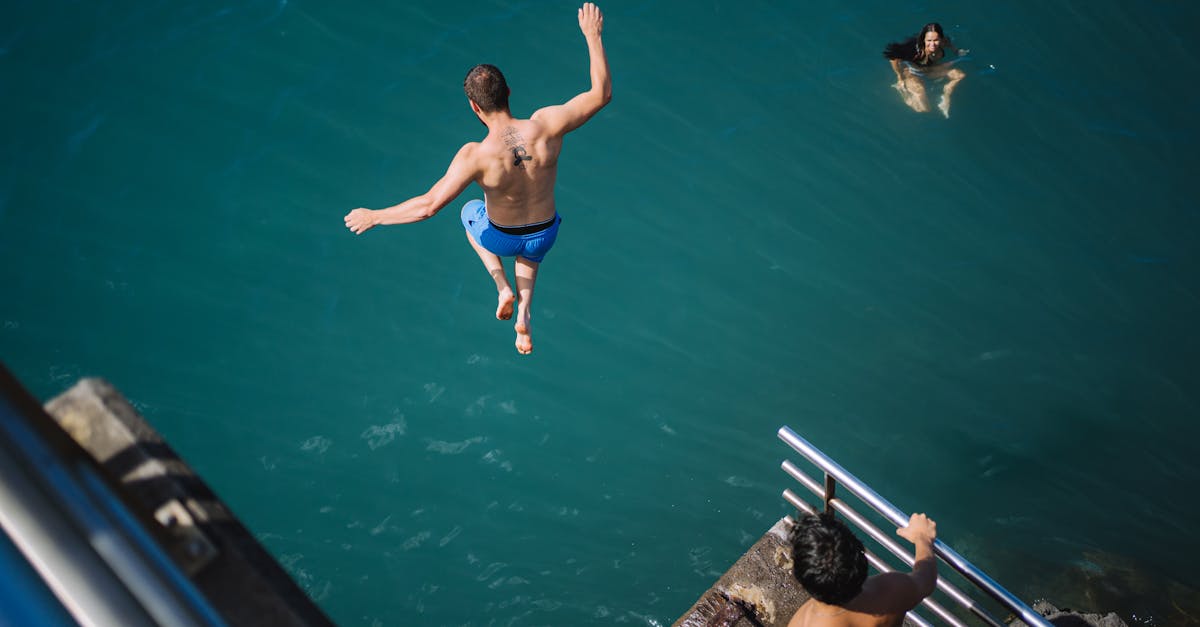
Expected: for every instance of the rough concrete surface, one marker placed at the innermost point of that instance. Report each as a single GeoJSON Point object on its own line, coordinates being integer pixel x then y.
{"type": "Point", "coordinates": [758, 589]}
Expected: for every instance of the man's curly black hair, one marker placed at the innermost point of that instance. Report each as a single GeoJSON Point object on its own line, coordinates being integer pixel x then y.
{"type": "Point", "coordinates": [828, 559]}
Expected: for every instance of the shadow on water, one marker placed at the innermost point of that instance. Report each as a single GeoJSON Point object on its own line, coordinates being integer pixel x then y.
{"type": "Point", "coordinates": [1111, 582]}
{"type": "Point", "coordinates": [1039, 497]}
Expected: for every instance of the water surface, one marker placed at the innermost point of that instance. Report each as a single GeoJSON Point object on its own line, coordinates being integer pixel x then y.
{"type": "Point", "coordinates": [988, 318]}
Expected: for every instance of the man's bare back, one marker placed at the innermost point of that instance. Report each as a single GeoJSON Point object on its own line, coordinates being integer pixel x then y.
{"type": "Point", "coordinates": [516, 165]}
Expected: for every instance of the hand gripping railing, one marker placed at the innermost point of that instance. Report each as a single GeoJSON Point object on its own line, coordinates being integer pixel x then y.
{"type": "Point", "coordinates": [835, 474]}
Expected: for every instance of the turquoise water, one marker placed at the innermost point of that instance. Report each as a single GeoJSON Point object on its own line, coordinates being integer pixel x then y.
{"type": "Point", "coordinates": [988, 318]}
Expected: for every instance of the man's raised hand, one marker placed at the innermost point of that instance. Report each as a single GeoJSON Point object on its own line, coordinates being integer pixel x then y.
{"type": "Point", "coordinates": [591, 21]}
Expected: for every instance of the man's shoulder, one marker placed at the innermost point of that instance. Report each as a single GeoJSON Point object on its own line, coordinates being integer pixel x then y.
{"type": "Point", "coordinates": [469, 161]}
{"type": "Point", "coordinates": [888, 593]}
{"type": "Point", "coordinates": [548, 117]}
{"type": "Point", "coordinates": [469, 152]}
{"type": "Point", "coordinates": [883, 584]}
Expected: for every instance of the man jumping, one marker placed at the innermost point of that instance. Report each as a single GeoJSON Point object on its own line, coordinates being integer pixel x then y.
{"type": "Point", "coordinates": [516, 165]}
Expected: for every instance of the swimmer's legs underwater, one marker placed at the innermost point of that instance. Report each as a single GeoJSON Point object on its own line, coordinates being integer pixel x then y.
{"type": "Point", "coordinates": [914, 93]}
{"type": "Point", "coordinates": [955, 75]}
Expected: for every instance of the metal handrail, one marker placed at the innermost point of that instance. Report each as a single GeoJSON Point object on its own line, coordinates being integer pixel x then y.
{"type": "Point", "coordinates": [835, 474]}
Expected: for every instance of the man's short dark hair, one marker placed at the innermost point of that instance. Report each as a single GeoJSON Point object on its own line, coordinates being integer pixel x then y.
{"type": "Point", "coordinates": [828, 559]}
{"type": "Point", "coordinates": [486, 87]}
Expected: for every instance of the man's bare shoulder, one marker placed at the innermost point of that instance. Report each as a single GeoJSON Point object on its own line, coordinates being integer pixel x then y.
{"type": "Point", "coordinates": [471, 154]}
{"type": "Point", "coordinates": [843, 618]}
{"type": "Point", "coordinates": [468, 163]}
{"type": "Point", "coordinates": [552, 119]}
{"type": "Point", "coordinates": [888, 593]}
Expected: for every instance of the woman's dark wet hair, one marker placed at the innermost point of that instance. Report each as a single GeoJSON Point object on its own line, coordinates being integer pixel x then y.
{"type": "Point", "coordinates": [911, 49]}
{"type": "Point", "coordinates": [486, 87]}
{"type": "Point", "coordinates": [828, 559]}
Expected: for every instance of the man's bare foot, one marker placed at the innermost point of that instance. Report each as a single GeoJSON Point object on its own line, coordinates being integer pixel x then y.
{"type": "Point", "coordinates": [505, 307]}
{"type": "Point", "coordinates": [944, 106]}
{"type": "Point", "coordinates": [524, 340]}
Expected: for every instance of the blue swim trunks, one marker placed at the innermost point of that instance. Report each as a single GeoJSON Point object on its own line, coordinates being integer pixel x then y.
{"type": "Point", "coordinates": [531, 245]}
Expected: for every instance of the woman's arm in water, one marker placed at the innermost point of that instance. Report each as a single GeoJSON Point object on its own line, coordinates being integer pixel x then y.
{"type": "Point", "coordinates": [957, 51]}
{"type": "Point", "coordinates": [899, 70]}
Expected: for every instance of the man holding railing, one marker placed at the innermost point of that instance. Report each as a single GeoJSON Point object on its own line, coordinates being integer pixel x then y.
{"type": "Point", "coordinates": [829, 563]}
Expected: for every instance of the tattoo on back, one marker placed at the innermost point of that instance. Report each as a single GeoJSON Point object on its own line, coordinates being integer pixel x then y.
{"type": "Point", "coordinates": [516, 143]}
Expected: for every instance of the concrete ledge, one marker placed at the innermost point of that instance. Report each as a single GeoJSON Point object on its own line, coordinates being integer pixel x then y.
{"type": "Point", "coordinates": [758, 590]}
{"type": "Point", "coordinates": [226, 563]}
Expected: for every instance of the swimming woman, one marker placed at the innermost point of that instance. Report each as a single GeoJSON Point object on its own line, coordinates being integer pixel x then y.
{"type": "Point", "coordinates": [921, 57]}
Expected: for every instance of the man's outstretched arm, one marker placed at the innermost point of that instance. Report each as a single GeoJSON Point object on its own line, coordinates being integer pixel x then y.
{"type": "Point", "coordinates": [458, 176]}
{"type": "Point", "coordinates": [896, 592]}
{"type": "Point", "coordinates": [922, 531]}
{"type": "Point", "coordinates": [567, 117]}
